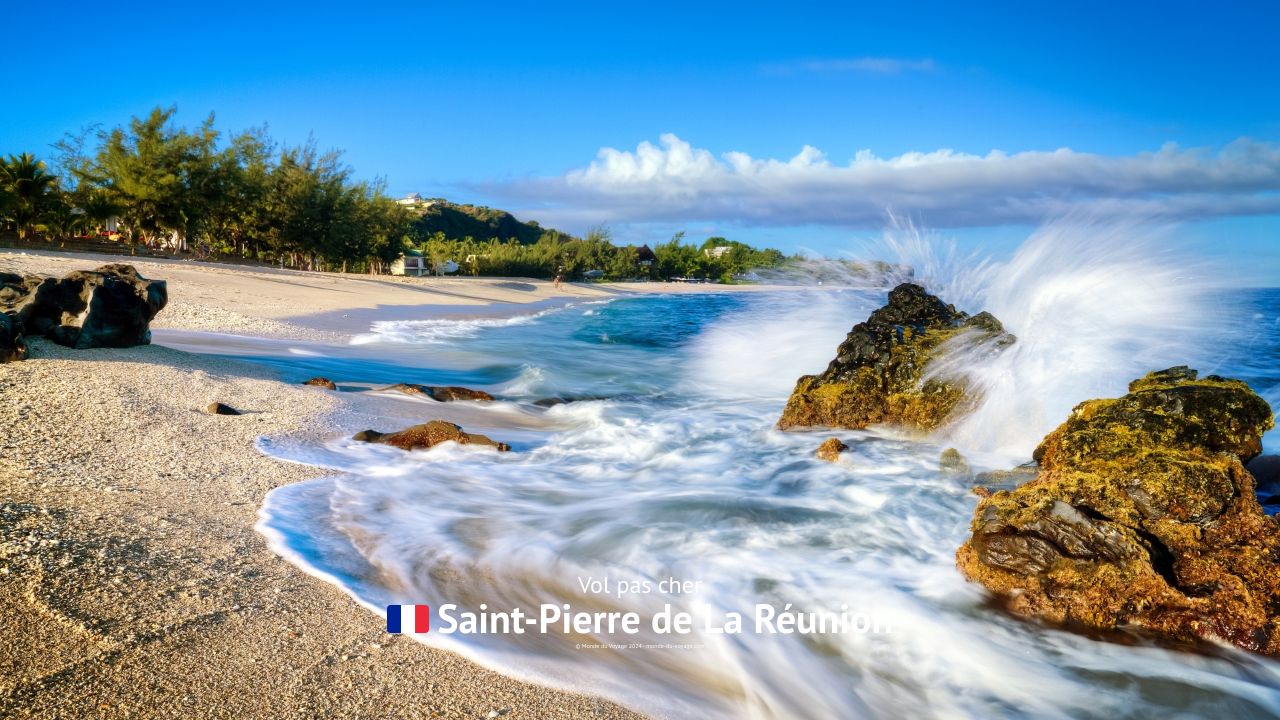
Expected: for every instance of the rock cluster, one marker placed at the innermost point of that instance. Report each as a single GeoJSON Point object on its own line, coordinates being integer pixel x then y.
{"type": "Point", "coordinates": [427, 435]}
{"type": "Point", "coordinates": [1142, 515]}
{"type": "Point", "coordinates": [321, 382]}
{"type": "Point", "coordinates": [109, 307]}
{"type": "Point", "coordinates": [878, 374]}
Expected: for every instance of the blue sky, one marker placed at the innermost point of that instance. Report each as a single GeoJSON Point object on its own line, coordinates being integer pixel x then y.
{"type": "Point", "coordinates": [510, 104]}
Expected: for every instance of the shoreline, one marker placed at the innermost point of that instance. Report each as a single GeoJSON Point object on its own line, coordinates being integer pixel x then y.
{"type": "Point", "coordinates": [134, 580]}
{"type": "Point", "coordinates": [263, 301]}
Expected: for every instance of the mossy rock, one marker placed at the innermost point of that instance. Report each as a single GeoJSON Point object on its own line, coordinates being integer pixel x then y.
{"type": "Point", "coordinates": [878, 374]}
{"type": "Point", "coordinates": [1142, 515]}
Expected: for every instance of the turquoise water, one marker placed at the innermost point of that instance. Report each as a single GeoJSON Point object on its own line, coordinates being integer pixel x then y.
{"type": "Point", "coordinates": [672, 468]}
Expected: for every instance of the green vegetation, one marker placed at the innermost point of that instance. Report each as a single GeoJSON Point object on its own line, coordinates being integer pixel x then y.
{"type": "Point", "coordinates": [213, 195]}
{"type": "Point", "coordinates": [556, 253]}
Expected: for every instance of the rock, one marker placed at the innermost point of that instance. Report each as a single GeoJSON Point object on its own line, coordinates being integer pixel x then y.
{"type": "Point", "coordinates": [952, 462]}
{"type": "Point", "coordinates": [1142, 515]}
{"type": "Point", "coordinates": [220, 409]}
{"type": "Point", "coordinates": [325, 383]}
{"type": "Point", "coordinates": [109, 307]}
{"type": "Point", "coordinates": [1265, 469]}
{"type": "Point", "coordinates": [441, 393]}
{"type": "Point", "coordinates": [554, 401]}
{"type": "Point", "coordinates": [830, 449]}
{"type": "Point", "coordinates": [13, 346]}
{"type": "Point", "coordinates": [878, 373]}
{"type": "Point", "coordinates": [427, 435]}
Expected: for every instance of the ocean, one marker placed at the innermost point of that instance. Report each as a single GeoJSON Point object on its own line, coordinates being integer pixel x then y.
{"type": "Point", "coordinates": [665, 464]}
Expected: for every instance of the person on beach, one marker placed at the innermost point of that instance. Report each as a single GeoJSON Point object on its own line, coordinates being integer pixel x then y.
{"type": "Point", "coordinates": [559, 277]}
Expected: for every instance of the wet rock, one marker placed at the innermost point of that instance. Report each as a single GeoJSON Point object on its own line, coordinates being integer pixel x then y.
{"type": "Point", "coordinates": [1265, 469]}
{"type": "Point", "coordinates": [952, 462]}
{"type": "Point", "coordinates": [554, 401]}
{"type": "Point", "coordinates": [427, 435]}
{"type": "Point", "coordinates": [13, 346]}
{"type": "Point", "coordinates": [878, 374]}
{"type": "Point", "coordinates": [322, 382]}
{"type": "Point", "coordinates": [830, 449]}
{"type": "Point", "coordinates": [109, 307]}
{"type": "Point", "coordinates": [441, 393]}
{"type": "Point", "coordinates": [1142, 515]}
{"type": "Point", "coordinates": [221, 409]}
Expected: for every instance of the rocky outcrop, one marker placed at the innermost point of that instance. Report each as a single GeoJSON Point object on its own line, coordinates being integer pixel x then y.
{"type": "Point", "coordinates": [830, 449]}
{"type": "Point", "coordinates": [13, 346]}
{"type": "Point", "coordinates": [427, 435]}
{"type": "Point", "coordinates": [878, 374]}
{"type": "Point", "coordinates": [1142, 515]}
{"type": "Point", "coordinates": [109, 307]}
{"type": "Point", "coordinates": [321, 382]}
{"type": "Point", "coordinates": [441, 393]}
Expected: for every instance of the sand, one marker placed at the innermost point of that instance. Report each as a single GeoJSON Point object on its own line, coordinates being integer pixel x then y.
{"type": "Point", "coordinates": [132, 583]}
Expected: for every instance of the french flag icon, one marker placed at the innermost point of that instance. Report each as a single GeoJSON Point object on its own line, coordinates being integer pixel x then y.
{"type": "Point", "coordinates": [400, 617]}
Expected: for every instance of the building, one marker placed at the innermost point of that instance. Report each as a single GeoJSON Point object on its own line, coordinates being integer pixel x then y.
{"type": "Point", "coordinates": [414, 200]}
{"type": "Point", "coordinates": [410, 263]}
{"type": "Point", "coordinates": [715, 253]}
{"type": "Point", "coordinates": [645, 256]}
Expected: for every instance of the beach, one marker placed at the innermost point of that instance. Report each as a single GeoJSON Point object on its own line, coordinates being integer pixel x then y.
{"type": "Point", "coordinates": [132, 582]}
{"type": "Point", "coordinates": [157, 560]}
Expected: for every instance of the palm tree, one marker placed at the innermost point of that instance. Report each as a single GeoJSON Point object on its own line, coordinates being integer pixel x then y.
{"type": "Point", "coordinates": [29, 185]}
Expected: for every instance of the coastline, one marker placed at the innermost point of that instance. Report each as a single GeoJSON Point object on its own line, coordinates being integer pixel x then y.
{"type": "Point", "coordinates": [133, 581]}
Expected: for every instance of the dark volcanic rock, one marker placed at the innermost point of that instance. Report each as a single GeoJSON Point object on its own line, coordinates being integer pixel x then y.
{"type": "Point", "coordinates": [1142, 515]}
{"type": "Point", "coordinates": [427, 435]}
{"type": "Point", "coordinates": [109, 307]}
{"type": "Point", "coordinates": [221, 409]}
{"type": "Point", "coordinates": [325, 383]}
{"type": "Point", "coordinates": [877, 375]}
{"type": "Point", "coordinates": [13, 346]}
{"type": "Point", "coordinates": [441, 393]}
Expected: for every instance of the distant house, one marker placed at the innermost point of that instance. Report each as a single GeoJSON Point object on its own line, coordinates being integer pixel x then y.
{"type": "Point", "coordinates": [414, 200]}
{"type": "Point", "coordinates": [411, 263]}
{"type": "Point", "coordinates": [717, 252]}
{"type": "Point", "coordinates": [645, 256]}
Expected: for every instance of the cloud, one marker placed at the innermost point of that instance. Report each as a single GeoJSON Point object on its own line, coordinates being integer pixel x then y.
{"type": "Point", "coordinates": [876, 65]}
{"type": "Point", "coordinates": [674, 181]}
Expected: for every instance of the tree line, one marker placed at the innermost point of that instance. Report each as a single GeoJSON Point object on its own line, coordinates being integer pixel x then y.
{"type": "Point", "coordinates": [243, 195]}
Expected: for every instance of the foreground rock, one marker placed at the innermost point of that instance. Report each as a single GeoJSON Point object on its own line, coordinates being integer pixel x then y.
{"type": "Point", "coordinates": [441, 393]}
{"type": "Point", "coordinates": [830, 449]}
{"type": "Point", "coordinates": [429, 434]}
{"type": "Point", "coordinates": [321, 382]}
{"type": "Point", "coordinates": [878, 374]}
{"type": "Point", "coordinates": [218, 408]}
{"type": "Point", "coordinates": [1143, 515]}
{"type": "Point", "coordinates": [13, 346]}
{"type": "Point", "coordinates": [109, 307]}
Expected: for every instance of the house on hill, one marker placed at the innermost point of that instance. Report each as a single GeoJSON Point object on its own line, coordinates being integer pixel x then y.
{"type": "Point", "coordinates": [414, 200]}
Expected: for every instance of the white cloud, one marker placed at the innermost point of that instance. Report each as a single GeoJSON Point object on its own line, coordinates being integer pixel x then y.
{"type": "Point", "coordinates": [676, 182]}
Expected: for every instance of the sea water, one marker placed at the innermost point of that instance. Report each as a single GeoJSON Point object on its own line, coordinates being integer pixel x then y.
{"type": "Point", "coordinates": [667, 465]}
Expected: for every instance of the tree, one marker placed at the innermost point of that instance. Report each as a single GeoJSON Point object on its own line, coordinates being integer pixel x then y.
{"type": "Point", "coordinates": [29, 189]}
{"type": "Point", "coordinates": [161, 176]}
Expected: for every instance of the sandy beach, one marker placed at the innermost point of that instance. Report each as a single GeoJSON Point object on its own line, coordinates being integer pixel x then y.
{"type": "Point", "coordinates": [132, 582]}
